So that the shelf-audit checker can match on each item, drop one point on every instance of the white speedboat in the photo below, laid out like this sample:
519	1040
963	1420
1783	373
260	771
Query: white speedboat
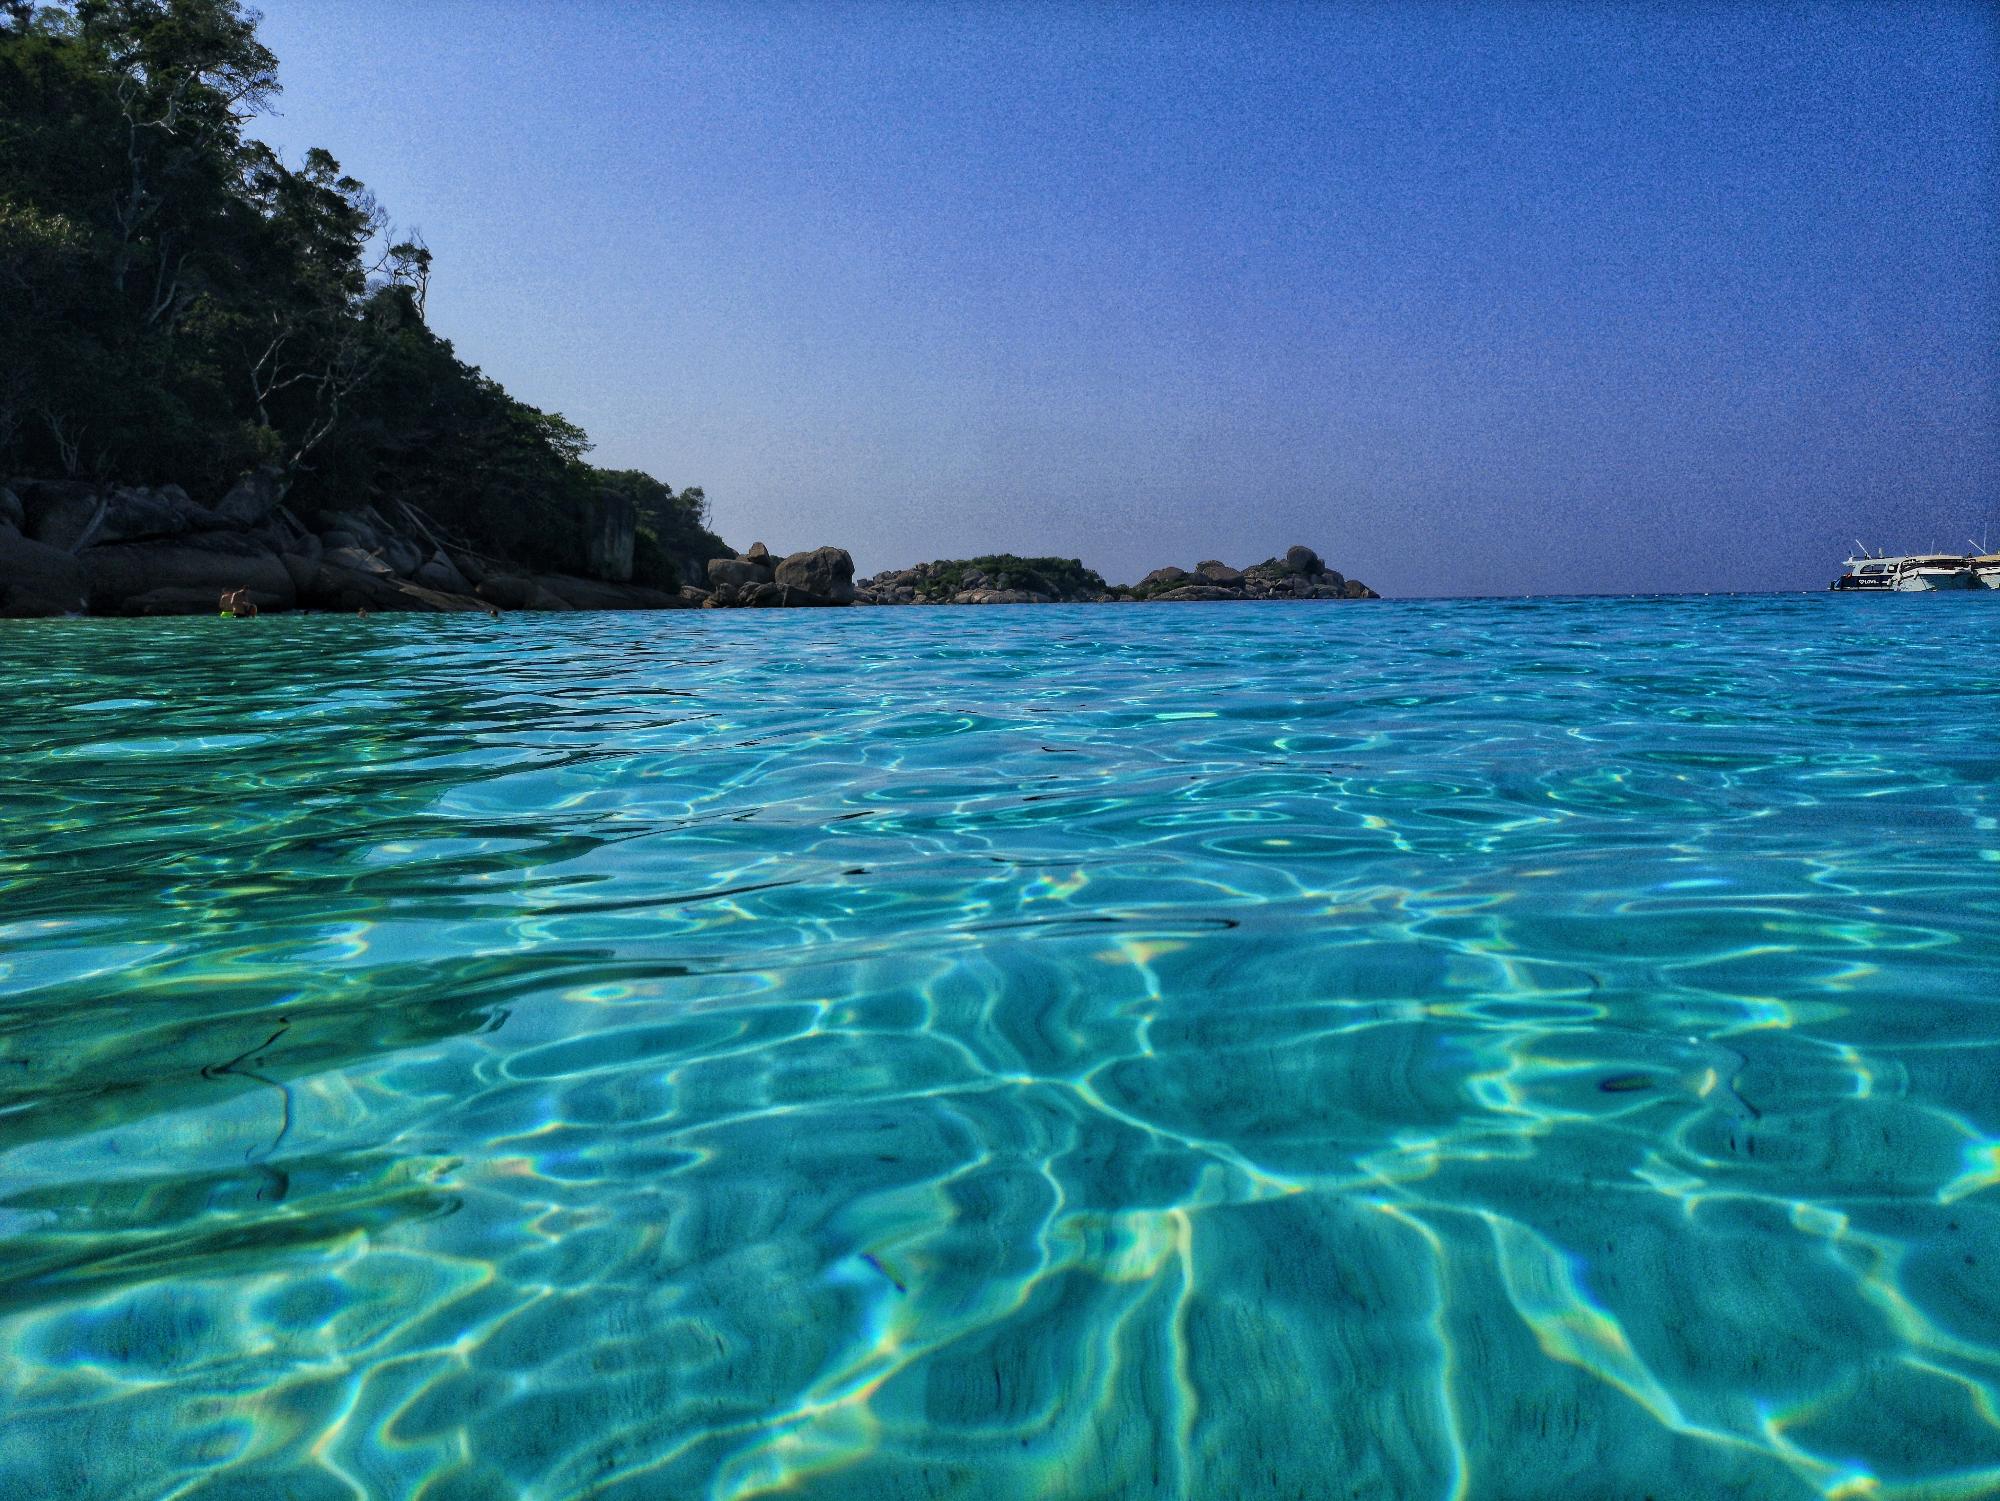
1912	574
1987	569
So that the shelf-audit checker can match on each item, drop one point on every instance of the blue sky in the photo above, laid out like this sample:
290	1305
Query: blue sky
1475	298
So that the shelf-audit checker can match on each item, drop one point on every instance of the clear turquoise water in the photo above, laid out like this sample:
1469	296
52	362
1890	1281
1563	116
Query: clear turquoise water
1413	1050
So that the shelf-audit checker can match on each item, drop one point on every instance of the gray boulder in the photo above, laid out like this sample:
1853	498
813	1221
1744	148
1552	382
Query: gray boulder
758	553
402	555
440	573
67	522
825	575
737	571
1167	575
1303	560
11	511
1219	573
52	506
353	528
36	579
253	497
185	572
139	515
75	519
357	560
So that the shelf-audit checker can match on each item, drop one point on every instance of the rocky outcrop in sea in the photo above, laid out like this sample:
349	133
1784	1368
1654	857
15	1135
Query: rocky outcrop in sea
71	547
1008	580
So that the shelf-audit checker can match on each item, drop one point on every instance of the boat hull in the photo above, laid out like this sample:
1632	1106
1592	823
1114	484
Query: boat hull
1925	580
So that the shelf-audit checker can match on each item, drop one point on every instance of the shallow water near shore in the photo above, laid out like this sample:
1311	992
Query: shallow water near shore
1419	1049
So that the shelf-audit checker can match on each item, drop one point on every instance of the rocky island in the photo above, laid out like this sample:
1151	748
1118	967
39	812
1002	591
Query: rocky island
73	547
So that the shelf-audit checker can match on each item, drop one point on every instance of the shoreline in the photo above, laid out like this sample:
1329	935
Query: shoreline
73	548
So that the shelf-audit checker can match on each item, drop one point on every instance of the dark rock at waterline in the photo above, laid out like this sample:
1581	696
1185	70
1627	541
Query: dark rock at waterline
36	579
516	592
1304	560
75	545
1193	592
1001	597
597	594
336	586
824	575
141	578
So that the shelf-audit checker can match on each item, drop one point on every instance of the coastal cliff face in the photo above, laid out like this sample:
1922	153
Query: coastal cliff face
70	547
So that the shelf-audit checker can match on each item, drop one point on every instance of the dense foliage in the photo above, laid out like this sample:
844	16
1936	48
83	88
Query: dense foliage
1060	578
178	304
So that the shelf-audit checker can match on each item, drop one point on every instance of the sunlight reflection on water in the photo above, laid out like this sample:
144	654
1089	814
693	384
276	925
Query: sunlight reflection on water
1461	1049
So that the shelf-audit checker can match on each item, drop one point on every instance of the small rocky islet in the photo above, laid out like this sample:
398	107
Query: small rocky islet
73	547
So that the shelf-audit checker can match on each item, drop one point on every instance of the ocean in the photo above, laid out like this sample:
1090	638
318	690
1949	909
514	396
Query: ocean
1455	1049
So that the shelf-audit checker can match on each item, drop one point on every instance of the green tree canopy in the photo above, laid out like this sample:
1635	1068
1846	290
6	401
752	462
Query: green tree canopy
177	303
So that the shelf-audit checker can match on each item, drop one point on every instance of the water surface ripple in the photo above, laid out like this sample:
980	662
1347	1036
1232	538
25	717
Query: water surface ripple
1450	1050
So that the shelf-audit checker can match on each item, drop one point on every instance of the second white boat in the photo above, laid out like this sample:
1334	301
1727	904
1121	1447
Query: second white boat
1909	575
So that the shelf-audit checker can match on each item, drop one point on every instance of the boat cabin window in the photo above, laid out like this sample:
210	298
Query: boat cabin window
1876	568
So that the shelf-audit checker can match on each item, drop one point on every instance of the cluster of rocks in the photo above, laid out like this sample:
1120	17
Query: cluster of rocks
759	579
71	547
946	582
1299	574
